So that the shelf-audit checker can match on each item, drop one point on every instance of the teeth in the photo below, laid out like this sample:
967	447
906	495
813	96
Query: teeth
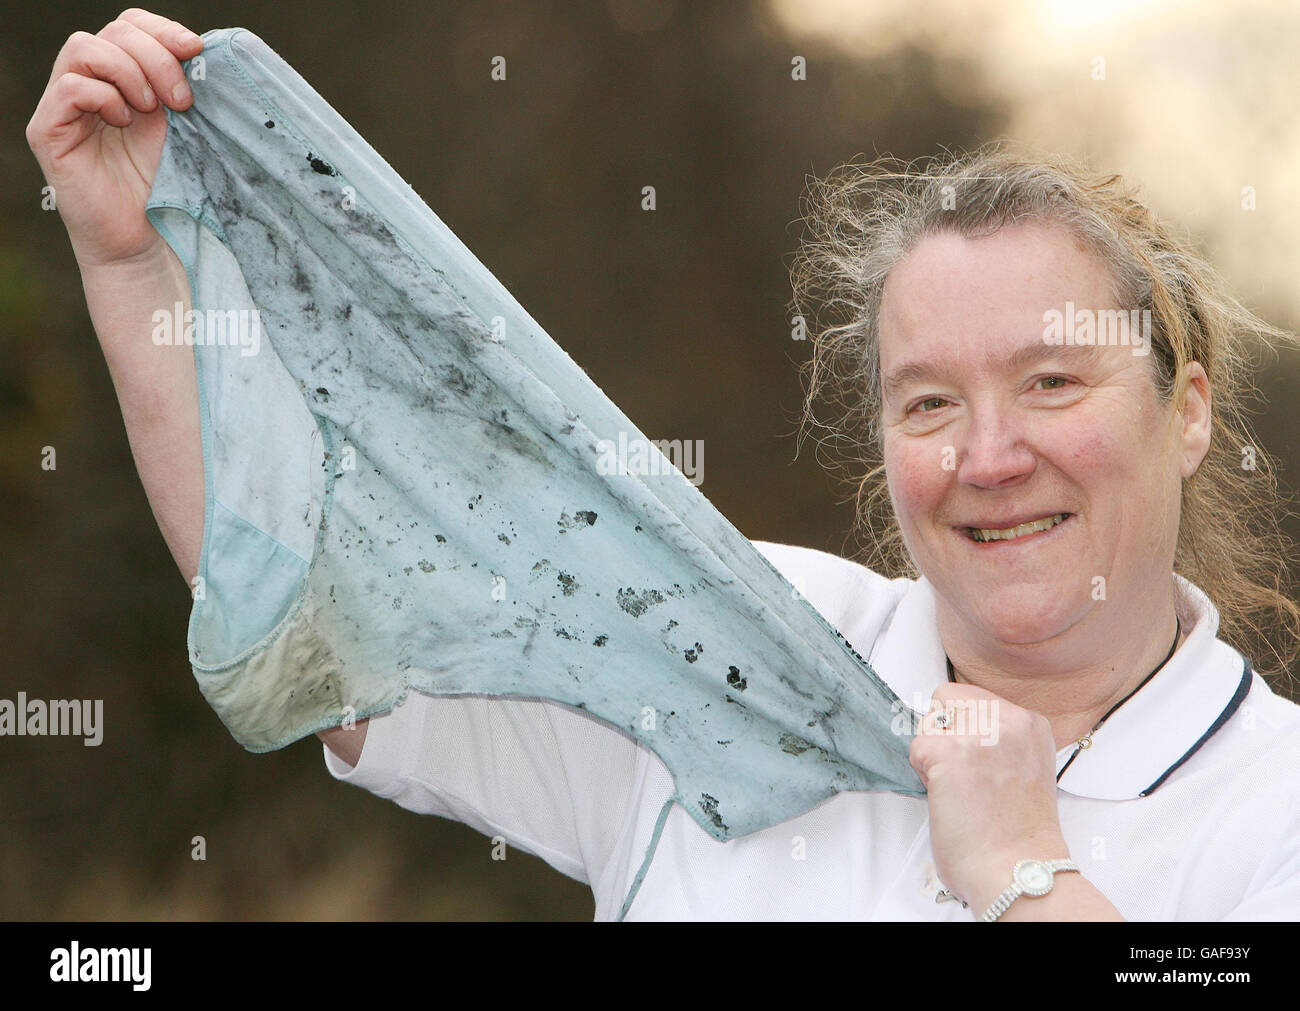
1025	528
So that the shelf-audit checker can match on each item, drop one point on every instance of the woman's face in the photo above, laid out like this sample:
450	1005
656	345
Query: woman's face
987	426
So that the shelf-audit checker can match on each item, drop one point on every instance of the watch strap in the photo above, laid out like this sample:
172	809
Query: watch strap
1003	902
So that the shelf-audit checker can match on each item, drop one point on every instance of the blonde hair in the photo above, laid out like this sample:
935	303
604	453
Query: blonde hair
862	219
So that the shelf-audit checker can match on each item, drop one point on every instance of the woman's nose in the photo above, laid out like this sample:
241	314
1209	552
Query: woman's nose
993	452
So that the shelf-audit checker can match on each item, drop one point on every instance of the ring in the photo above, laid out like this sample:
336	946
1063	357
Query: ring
943	719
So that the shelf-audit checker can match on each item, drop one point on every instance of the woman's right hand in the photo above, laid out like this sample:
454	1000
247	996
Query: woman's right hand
98	130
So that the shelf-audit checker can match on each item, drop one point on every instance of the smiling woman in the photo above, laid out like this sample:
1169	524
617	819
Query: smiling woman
997	432
1075	518
863	221
398	509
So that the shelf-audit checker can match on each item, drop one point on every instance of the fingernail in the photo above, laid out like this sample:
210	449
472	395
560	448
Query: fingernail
189	38
148	95
180	92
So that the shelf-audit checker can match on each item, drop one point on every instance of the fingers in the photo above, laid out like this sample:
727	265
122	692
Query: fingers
92	57
178	39
78	94
139	52
155	62
169	43
133	63
942	717
971	717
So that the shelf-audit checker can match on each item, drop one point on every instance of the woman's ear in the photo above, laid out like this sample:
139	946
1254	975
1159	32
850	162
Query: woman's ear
1196	415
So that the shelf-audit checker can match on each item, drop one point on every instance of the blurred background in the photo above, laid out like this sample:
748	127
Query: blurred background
679	315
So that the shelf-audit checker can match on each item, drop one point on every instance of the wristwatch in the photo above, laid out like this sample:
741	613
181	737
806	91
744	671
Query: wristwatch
1029	877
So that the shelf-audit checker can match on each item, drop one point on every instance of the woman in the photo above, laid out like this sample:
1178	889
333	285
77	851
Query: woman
1083	718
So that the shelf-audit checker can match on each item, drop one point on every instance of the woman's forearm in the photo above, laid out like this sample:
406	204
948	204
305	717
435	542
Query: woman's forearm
156	386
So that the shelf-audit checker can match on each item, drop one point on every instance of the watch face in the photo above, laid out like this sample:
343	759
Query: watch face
1033	877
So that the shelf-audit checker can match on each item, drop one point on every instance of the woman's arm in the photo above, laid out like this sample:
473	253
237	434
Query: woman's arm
98	135
156	387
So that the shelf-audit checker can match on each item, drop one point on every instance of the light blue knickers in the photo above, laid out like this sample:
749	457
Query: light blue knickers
404	490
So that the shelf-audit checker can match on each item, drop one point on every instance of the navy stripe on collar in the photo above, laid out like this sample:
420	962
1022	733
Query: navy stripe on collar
1233	705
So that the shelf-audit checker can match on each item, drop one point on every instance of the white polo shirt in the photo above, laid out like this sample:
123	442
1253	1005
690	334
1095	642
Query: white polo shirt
1187	807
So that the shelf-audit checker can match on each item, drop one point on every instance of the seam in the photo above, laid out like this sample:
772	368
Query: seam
253	526
649	856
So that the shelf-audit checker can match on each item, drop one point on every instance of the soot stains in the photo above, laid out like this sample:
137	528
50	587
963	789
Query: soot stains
269	124
829	713
581	518
567	583
709	805
793	745
517	441
636	604
849	646
320	167
457	380
735	680
600	640
693	653
793	685
524	622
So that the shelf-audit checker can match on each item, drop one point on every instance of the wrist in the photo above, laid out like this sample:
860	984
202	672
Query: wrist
155	256
995	873
123	297
1032	883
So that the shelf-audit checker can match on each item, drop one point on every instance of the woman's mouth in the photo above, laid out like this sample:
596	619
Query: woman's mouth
984	535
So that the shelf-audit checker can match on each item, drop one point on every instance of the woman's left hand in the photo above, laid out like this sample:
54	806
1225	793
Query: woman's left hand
990	776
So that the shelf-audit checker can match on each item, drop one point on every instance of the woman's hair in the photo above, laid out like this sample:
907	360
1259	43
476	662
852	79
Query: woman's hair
862	219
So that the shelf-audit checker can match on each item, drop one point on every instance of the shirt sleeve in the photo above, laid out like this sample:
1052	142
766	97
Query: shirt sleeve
846	593
547	780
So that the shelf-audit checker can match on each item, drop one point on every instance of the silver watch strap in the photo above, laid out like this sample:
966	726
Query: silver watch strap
1003	902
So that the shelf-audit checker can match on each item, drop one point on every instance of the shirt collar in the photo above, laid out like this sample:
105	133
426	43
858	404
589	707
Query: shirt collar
1144	740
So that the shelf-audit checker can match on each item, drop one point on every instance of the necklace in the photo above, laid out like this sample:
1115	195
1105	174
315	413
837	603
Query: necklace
1085	742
